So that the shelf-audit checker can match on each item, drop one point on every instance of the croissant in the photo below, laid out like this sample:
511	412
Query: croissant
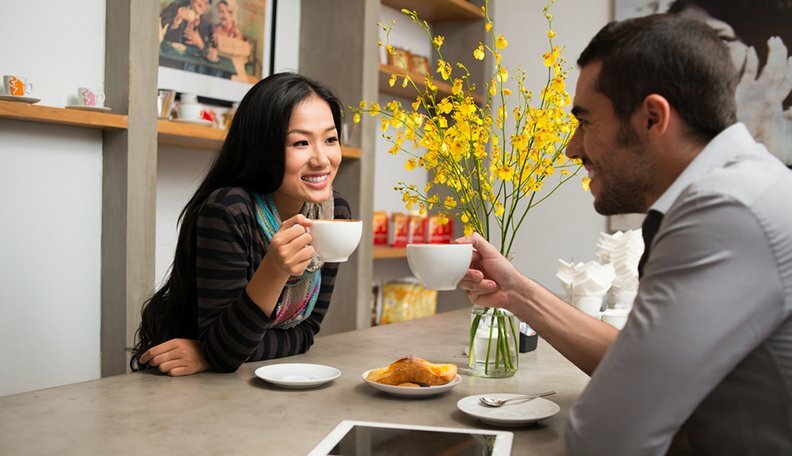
415	371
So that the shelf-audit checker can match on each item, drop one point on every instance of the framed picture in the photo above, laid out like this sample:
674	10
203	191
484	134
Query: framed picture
399	59
419	64
214	48
759	37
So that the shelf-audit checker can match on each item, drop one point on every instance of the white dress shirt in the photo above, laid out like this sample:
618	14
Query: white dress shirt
708	344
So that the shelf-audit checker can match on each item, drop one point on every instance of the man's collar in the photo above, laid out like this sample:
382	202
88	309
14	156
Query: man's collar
715	154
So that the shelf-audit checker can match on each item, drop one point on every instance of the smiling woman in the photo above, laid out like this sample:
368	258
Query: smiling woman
245	284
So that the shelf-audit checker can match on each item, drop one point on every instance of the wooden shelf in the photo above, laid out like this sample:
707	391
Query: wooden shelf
62	116
382	252
385	72
438	10
207	138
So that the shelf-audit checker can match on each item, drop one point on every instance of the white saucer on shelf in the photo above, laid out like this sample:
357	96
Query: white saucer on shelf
29	100
206	123
89	108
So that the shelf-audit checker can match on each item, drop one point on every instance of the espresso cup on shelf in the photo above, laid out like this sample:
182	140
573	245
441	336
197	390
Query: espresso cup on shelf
90	97
334	240
17	86
439	266
190	111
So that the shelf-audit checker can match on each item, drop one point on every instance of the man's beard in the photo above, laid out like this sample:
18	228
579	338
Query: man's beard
625	194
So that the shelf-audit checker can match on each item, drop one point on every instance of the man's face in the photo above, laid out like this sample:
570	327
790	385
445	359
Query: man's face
199	6
611	151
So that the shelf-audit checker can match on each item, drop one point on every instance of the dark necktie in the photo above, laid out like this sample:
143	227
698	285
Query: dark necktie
648	230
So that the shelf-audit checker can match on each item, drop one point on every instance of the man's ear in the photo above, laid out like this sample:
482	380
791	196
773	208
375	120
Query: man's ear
654	116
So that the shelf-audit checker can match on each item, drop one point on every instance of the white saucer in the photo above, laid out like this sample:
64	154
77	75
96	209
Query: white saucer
89	108
29	100
297	375
517	413
207	123
406	391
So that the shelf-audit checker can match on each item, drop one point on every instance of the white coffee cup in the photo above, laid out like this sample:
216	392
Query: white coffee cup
439	266
616	317
190	111
16	86
335	240
90	97
588	304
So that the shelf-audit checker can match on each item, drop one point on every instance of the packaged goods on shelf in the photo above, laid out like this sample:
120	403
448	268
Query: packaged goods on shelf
400	229
440	233
380	227
417	229
405	299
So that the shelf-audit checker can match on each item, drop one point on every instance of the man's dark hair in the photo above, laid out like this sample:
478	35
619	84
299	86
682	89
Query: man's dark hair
681	59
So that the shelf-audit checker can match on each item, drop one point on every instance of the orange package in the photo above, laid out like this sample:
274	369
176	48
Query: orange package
440	233
399	229
417	230
380	226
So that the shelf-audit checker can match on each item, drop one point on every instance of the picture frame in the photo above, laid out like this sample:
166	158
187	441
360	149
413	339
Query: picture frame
400	58
759	40
419	64
216	49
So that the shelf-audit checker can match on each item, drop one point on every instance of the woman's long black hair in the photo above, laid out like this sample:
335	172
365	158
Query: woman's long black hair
252	157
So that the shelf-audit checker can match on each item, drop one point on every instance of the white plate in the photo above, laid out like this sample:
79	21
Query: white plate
406	391
204	122
297	375
30	100
89	108
515	413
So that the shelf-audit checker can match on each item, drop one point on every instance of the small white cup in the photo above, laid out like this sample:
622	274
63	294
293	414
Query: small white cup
90	97
439	266
188	98
616	317
588	304
17	86
190	111
335	240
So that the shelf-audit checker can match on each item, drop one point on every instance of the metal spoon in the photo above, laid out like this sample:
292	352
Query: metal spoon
492	402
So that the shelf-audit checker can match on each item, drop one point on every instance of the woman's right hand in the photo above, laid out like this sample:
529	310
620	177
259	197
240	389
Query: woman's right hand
289	250
176	357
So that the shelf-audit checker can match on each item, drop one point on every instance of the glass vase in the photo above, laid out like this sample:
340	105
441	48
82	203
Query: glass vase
494	342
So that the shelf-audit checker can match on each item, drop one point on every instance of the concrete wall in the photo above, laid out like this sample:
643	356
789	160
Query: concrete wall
51	179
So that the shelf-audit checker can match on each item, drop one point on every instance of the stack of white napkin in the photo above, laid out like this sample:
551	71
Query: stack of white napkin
623	250
586	284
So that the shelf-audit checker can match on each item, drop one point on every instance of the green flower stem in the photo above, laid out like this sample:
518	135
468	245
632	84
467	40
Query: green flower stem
504	338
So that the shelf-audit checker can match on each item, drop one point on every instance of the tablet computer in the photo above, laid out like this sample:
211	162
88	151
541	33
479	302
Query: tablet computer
359	438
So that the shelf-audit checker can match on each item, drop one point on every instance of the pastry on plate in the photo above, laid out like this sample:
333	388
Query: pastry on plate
415	371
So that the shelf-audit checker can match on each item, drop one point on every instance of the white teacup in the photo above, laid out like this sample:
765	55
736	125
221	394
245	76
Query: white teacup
591	305
90	97
190	111
17	86
335	240
616	317
439	266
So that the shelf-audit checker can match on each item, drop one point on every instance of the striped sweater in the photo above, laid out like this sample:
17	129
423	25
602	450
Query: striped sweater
232	329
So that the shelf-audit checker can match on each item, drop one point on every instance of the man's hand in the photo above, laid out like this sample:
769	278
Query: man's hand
490	276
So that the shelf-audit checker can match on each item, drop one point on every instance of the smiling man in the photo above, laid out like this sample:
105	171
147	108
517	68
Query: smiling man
704	363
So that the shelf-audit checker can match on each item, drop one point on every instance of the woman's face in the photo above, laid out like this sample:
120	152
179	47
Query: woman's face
313	153
225	15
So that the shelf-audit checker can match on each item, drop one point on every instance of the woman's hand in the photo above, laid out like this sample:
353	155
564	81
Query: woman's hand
176	357
289	250
191	36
